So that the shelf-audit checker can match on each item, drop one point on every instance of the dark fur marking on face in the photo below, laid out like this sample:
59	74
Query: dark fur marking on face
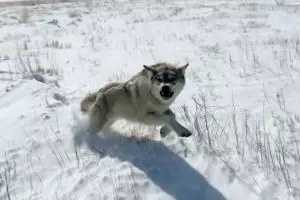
167	73
168	76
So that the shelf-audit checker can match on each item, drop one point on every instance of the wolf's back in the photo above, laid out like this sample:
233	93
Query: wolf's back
87	102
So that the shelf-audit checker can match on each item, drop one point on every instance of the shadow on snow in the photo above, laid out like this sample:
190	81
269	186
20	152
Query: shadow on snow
165	168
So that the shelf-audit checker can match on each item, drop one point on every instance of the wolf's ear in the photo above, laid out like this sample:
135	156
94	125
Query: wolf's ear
150	69
183	68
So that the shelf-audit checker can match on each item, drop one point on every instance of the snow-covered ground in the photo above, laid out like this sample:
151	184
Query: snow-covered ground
241	100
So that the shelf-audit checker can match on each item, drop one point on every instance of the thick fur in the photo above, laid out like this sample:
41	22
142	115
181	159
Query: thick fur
138	99
91	98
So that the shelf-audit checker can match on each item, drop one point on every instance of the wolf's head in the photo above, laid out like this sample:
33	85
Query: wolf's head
167	81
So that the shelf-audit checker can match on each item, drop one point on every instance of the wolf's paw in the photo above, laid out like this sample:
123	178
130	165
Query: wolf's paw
164	131
184	132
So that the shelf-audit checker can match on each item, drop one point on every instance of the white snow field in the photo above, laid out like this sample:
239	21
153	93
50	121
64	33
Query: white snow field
241	100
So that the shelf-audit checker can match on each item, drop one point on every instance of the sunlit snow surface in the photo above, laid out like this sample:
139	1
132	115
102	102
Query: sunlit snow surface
241	100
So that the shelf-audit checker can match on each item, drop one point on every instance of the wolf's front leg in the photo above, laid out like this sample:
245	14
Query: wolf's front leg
170	119
164	131
179	129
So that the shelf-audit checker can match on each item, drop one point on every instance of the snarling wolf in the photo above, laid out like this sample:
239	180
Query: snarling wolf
145	98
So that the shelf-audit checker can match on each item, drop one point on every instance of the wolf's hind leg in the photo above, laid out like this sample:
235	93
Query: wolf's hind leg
98	114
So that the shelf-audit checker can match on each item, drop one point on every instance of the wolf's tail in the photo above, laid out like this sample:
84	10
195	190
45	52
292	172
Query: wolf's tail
86	103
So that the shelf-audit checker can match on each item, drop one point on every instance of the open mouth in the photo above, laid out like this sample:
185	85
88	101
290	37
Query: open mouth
166	92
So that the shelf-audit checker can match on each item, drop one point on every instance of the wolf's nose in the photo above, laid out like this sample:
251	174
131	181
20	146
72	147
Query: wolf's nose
165	89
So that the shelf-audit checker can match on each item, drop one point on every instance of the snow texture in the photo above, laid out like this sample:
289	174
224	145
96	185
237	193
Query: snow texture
241	99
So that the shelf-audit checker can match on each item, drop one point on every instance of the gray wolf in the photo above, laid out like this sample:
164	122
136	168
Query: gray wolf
145	98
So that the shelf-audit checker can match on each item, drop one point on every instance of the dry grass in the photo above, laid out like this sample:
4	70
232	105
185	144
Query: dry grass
58	45
246	140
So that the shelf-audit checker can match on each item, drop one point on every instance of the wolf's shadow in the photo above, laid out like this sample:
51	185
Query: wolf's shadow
165	168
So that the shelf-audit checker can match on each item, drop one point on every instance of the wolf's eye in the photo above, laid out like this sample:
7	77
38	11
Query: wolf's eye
172	79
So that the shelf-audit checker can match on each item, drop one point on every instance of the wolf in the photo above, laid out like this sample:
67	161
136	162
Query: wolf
145	98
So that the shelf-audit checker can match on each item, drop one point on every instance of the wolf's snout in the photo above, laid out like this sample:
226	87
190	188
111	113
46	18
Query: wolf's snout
166	92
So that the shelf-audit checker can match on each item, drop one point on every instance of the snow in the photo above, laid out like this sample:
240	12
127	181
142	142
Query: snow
240	101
